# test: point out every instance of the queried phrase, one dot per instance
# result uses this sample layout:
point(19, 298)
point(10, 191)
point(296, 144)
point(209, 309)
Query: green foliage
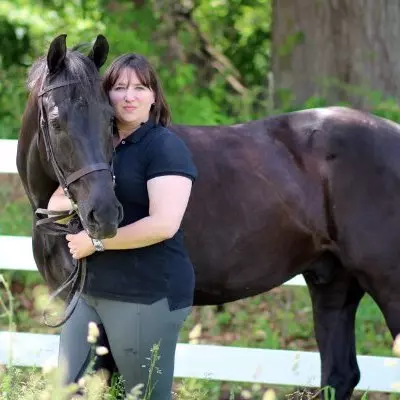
point(12, 100)
point(189, 103)
point(236, 37)
point(16, 217)
point(241, 26)
point(241, 30)
point(43, 20)
point(371, 328)
point(28, 27)
point(15, 43)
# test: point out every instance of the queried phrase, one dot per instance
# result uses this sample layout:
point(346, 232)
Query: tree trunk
point(340, 50)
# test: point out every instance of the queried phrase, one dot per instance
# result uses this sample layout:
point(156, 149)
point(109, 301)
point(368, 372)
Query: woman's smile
point(129, 108)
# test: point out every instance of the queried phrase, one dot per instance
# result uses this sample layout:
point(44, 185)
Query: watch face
point(98, 245)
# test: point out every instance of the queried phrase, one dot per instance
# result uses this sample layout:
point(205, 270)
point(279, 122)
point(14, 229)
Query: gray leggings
point(131, 330)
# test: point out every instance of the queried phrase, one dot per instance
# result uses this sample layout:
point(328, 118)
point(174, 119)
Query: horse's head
point(76, 129)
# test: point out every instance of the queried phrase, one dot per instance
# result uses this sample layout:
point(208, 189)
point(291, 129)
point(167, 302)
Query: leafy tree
point(216, 76)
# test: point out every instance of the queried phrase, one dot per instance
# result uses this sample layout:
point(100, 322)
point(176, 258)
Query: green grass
point(15, 212)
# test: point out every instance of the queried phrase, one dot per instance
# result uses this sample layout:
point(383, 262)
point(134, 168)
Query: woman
point(140, 288)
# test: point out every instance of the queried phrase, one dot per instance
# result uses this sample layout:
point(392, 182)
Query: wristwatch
point(98, 244)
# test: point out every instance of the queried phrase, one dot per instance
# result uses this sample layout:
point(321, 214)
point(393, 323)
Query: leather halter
point(77, 277)
point(73, 177)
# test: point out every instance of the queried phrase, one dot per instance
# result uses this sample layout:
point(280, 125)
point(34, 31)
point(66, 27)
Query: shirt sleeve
point(168, 155)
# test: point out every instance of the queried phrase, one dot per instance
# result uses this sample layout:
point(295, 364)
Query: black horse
point(313, 192)
point(66, 139)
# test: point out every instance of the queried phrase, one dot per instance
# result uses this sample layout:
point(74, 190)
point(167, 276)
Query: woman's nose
point(130, 94)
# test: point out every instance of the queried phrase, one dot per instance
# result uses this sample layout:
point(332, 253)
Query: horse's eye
point(55, 123)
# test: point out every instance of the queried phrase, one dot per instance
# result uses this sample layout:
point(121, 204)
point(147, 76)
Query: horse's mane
point(77, 67)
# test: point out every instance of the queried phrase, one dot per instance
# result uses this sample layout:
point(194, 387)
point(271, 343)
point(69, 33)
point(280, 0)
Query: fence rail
point(8, 151)
point(275, 367)
point(278, 367)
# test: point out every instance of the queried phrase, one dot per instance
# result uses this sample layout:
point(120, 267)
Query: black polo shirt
point(146, 274)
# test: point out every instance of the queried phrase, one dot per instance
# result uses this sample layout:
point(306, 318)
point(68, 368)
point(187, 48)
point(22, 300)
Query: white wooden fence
point(279, 367)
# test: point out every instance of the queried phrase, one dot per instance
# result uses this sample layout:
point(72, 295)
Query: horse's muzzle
point(101, 220)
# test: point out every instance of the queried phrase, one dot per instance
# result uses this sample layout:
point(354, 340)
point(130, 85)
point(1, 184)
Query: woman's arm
point(168, 199)
point(59, 201)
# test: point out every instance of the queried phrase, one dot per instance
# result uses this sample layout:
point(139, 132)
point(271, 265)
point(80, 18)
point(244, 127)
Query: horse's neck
point(35, 172)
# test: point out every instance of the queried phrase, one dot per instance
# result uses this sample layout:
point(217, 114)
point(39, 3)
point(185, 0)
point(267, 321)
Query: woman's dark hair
point(159, 112)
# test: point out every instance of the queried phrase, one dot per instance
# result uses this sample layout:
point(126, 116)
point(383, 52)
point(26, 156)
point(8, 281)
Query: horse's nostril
point(91, 217)
point(99, 216)
point(120, 213)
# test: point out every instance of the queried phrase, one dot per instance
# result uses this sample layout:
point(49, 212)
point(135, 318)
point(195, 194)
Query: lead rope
point(76, 280)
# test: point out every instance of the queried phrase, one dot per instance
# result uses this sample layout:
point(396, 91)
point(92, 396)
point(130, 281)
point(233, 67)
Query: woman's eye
point(119, 88)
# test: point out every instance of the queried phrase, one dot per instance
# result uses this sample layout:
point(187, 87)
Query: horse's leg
point(384, 289)
point(335, 304)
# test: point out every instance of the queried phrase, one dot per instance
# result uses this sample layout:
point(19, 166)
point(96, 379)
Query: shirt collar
point(139, 133)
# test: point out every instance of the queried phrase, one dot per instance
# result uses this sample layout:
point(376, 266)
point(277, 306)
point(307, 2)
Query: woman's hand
point(59, 201)
point(80, 245)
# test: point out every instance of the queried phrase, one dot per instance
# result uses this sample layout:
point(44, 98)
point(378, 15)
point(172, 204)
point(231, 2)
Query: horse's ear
point(99, 52)
point(56, 53)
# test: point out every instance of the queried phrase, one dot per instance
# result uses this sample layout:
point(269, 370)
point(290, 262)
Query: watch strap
point(98, 244)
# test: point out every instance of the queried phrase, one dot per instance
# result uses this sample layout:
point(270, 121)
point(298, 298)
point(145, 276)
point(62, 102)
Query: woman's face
point(131, 100)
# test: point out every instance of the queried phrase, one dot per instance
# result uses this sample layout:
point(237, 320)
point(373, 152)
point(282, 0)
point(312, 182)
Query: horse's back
point(254, 199)
point(270, 191)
